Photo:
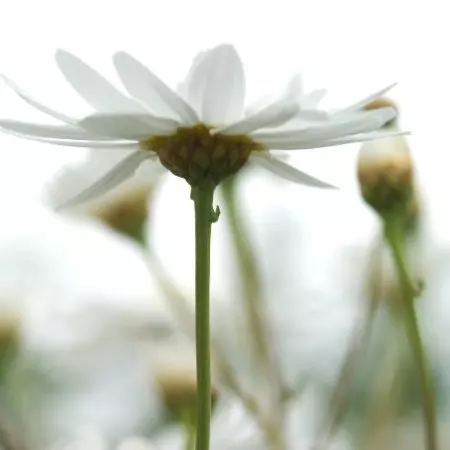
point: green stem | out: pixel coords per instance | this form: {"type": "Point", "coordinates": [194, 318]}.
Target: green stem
{"type": "Point", "coordinates": [203, 195]}
{"type": "Point", "coordinates": [189, 422]}
{"type": "Point", "coordinates": [395, 236]}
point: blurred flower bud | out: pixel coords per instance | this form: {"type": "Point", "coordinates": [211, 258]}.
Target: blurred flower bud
{"type": "Point", "coordinates": [386, 176]}
{"type": "Point", "coordinates": [178, 386]}
{"type": "Point", "coordinates": [125, 210]}
{"type": "Point", "coordinates": [9, 340]}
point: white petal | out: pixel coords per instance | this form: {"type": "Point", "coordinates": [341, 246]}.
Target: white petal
{"type": "Point", "coordinates": [312, 100]}
{"type": "Point", "coordinates": [258, 104]}
{"type": "Point", "coordinates": [144, 85]}
{"type": "Point", "coordinates": [294, 85]}
{"type": "Point", "coordinates": [184, 86]}
{"type": "Point", "coordinates": [286, 171]}
{"type": "Point", "coordinates": [272, 115]}
{"type": "Point", "coordinates": [304, 120]}
{"type": "Point", "coordinates": [279, 112]}
{"type": "Point", "coordinates": [217, 86]}
{"type": "Point", "coordinates": [339, 141]}
{"type": "Point", "coordinates": [360, 104]}
{"type": "Point", "coordinates": [128, 126]}
{"type": "Point", "coordinates": [109, 180]}
{"type": "Point", "coordinates": [49, 131]}
{"type": "Point", "coordinates": [92, 87]}
{"type": "Point", "coordinates": [362, 122]}
{"type": "Point", "coordinates": [294, 88]}
{"type": "Point", "coordinates": [39, 106]}
{"type": "Point", "coordinates": [71, 143]}
{"type": "Point", "coordinates": [73, 179]}
{"type": "Point", "coordinates": [367, 137]}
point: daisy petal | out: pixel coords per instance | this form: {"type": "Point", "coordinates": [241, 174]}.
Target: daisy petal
{"type": "Point", "coordinates": [362, 122]}
{"type": "Point", "coordinates": [275, 114]}
{"type": "Point", "coordinates": [258, 104]}
{"type": "Point", "coordinates": [35, 104]}
{"type": "Point", "coordinates": [294, 86]}
{"type": "Point", "coordinates": [48, 131]}
{"type": "Point", "coordinates": [367, 137]}
{"type": "Point", "coordinates": [73, 178]}
{"type": "Point", "coordinates": [184, 86]}
{"type": "Point", "coordinates": [304, 120]}
{"type": "Point", "coordinates": [144, 85]}
{"type": "Point", "coordinates": [112, 178]}
{"type": "Point", "coordinates": [360, 104]}
{"type": "Point", "coordinates": [72, 143]}
{"type": "Point", "coordinates": [286, 171]}
{"type": "Point", "coordinates": [133, 127]}
{"type": "Point", "coordinates": [312, 100]}
{"type": "Point", "coordinates": [92, 87]}
{"type": "Point", "coordinates": [339, 141]}
{"type": "Point", "coordinates": [217, 86]}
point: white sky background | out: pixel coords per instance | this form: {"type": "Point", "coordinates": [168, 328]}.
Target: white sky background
{"type": "Point", "coordinates": [351, 47]}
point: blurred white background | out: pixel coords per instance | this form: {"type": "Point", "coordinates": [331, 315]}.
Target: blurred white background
{"type": "Point", "coordinates": [350, 47]}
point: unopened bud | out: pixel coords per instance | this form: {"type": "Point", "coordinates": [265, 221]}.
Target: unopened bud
{"type": "Point", "coordinates": [386, 177]}
{"type": "Point", "coordinates": [125, 210]}
{"type": "Point", "coordinates": [179, 390]}
{"type": "Point", "coordinates": [9, 340]}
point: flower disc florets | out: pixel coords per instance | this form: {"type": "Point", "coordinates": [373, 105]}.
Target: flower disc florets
{"type": "Point", "coordinates": [194, 153]}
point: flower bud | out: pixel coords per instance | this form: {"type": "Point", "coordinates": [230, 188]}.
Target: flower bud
{"type": "Point", "coordinates": [386, 177]}
{"type": "Point", "coordinates": [9, 340]}
{"type": "Point", "coordinates": [179, 391]}
{"type": "Point", "coordinates": [125, 210]}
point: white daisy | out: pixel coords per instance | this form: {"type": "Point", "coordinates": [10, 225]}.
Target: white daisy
{"type": "Point", "coordinates": [200, 130]}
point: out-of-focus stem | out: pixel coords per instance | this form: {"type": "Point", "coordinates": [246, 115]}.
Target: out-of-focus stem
{"type": "Point", "coordinates": [394, 235]}
{"type": "Point", "coordinates": [340, 397]}
{"type": "Point", "coordinates": [254, 311]}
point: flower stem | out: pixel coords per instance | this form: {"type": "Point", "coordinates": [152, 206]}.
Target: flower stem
{"type": "Point", "coordinates": [202, 194]}
{"type": "Point", "coordinates": [395, 236]}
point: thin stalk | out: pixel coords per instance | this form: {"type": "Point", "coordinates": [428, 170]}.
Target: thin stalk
{"type": "Point", "coordinates": [179, 305]}
{"type": "Point", "coordinates": [9, 436]}
{"type": "Point", "coordinates": [395, 238]}
{"type": "Point", "coordinates": [255, 316]}
{"type": "Point", "coordinates": [342, 391]}
{"type": "Point", "coordinates": [189, 422]}
{"type": "Point", "coordinates": [203, 195]}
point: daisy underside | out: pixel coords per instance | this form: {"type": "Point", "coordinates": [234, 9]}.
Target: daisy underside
{"type": "Point", "coordinates": [199, 131]}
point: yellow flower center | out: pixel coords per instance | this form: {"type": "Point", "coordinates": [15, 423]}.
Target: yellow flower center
{"type": "Point", "coordinates": [195, 154]}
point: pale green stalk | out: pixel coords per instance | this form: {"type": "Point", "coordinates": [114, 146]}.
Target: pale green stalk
{"type": "Point", "coordinates": [395, 237]}
{"type": "Point", "coordinates": [254, 311]}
